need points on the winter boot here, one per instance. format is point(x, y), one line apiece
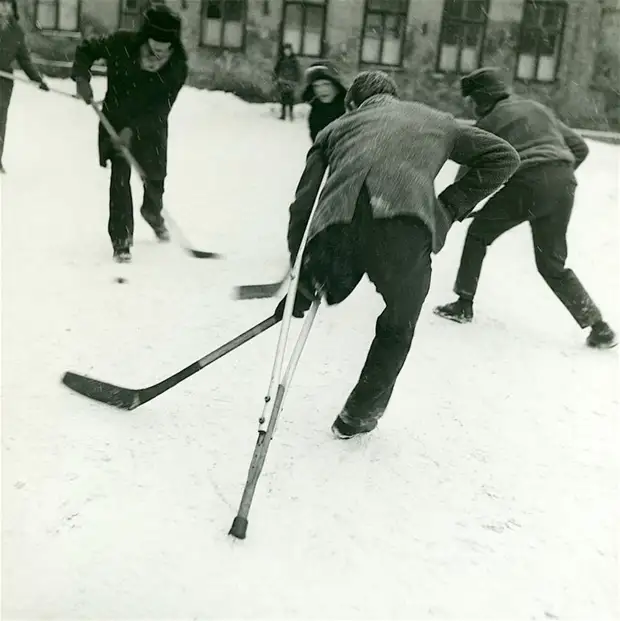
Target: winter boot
point(157, 224)
point(122, 253)
point(345, 431)
point(601, 336)
point(460, 311)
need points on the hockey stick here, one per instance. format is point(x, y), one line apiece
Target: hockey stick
point(131, 398)
point(255, 292)
point(199, 254)
point(278, 387)
point(17, 78)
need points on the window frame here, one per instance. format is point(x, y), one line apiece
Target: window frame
point(401, 59)
point(56, 28)
point(560, 33)
point(123, 12)
point(201, 32)
point(484, 24)
point(304, 4)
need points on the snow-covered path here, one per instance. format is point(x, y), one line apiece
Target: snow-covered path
point(489, 491)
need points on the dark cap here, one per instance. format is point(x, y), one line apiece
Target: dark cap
point(486, 82)
point(161, 24)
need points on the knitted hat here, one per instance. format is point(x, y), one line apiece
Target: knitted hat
point(486, 82)
point(321, 70)
point(161, 24)
point(369, 83)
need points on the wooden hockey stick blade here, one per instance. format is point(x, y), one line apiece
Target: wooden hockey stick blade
point(255, 292)
point(131, 398)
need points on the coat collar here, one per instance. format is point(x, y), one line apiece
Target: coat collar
point(377, 100)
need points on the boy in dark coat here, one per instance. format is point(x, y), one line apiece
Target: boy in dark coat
point(12, 48)
point(287, 74)
point(541, 192)
point(325, 93)
point(145, 71)
point(378, 215)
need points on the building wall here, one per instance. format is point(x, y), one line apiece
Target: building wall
point(249, 73)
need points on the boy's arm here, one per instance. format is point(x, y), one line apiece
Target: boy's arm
point(490, 161)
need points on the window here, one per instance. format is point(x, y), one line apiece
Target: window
point(60, 15)
point(303, 26)
point(540, 40)
point(222, 24)
point(130, 14)
point(463, 27)
point(383, 34)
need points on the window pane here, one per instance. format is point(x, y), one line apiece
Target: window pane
point(388, 6)
point(453, 8)
point(46, 14)
point(469, 59)
point(68, 15)
point(292, 26)
point(546, 68)
point(532, 14)
point(447, 57)
point(548, 44)
point(394, 30)
point(131, 6)
point(314, 30)
point(451, 34)
point(214, 9)
point(525, 67)
point(472, 36)
point(212, 29)
point(233, 10)
point(474, 10)
point(233, 34)
point(372, 38)
point(552, 17)
point(528, 42)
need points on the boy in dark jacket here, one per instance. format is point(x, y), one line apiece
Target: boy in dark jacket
point(145, 72)
point(378, 215)
point(12, 48)
point(541, 192)
point(325, 93)
point(287, 74)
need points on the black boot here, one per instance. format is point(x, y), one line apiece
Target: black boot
point(345, 431)
point(460, 311)
point(601, 336)
point(122, 253)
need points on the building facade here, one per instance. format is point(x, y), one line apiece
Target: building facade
point(549, 48)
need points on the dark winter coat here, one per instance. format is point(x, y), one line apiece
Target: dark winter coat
point(397, 148)
point(13, 48)
point(287, 72)
point(538, 136)
point(138, 99)
point(322, 114)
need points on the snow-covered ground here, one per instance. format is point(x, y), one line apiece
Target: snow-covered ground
point(489, 491)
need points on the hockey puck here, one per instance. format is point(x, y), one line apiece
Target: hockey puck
point(121, 280)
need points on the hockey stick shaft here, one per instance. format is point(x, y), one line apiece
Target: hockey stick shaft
point(129, 399)
point(18, 78)
point(136, 166)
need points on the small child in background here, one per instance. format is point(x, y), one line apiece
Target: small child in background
point(325, 93)
point(287, 75)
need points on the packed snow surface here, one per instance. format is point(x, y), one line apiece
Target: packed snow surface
point(489, 490)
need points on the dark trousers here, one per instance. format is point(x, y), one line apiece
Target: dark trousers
point(542, 196)
point(121, 222)
point(6, 90)
point(396, 255)
point(287, 101)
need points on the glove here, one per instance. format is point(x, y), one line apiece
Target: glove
point(303, 302)
point(84, 90)
point(43, 86)
point(124, 137)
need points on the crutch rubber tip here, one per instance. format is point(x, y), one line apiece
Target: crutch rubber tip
point(239, 527)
